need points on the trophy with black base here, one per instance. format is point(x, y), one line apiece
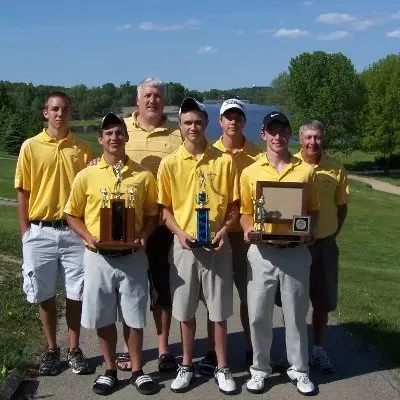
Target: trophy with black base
point(203, 236)
point(117, 219)
point(286, 212)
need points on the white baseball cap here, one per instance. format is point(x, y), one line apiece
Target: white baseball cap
point(232, 103)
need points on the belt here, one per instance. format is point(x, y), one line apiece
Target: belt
point(111, 253)
point(58, 223)
point(289, 245)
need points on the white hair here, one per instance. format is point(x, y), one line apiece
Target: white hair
point(152, 82)
point(312, 125)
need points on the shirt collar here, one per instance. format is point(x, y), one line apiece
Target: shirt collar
point(293, 160)
point(322, 159)
point(47, 138)
point(186, 155)
point(128, 165)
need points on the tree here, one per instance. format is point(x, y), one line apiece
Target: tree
point(280, 89)
point(5, 116)
point(326, 87)
point(382, 111)
point(16, 133)
point(175, 94)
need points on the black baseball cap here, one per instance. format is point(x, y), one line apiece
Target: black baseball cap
point(112, 119)
point(190, 104)
point(275, 116)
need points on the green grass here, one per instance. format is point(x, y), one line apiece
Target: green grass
point(369, 301)
point(20, 330)
point(7, 174)
point(10, 242)
point(91, 138)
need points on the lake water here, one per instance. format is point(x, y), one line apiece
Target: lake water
point(254, 116)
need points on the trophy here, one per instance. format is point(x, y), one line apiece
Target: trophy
point(117, 220)
point(286, 213)
point(203, 236)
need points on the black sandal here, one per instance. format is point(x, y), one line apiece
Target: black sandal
point(105, 384)
point(167, 363)
point(123, 358)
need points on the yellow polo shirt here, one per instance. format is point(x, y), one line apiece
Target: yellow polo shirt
point(246, 156)
point(46, 168)
point(179, 182)
point(296, 171)
point(333, 189)
point(86, 198)
point(149, 148)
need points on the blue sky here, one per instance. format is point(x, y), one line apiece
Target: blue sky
point(209, 44)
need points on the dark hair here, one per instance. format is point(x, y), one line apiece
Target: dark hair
point(61, 95)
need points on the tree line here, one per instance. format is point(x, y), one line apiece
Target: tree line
point(359, 110)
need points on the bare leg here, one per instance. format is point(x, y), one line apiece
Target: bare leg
point(135, 345)
point(73, 311)
point(220, 331)
point(319, 321)
point(48, 318)
point(188, 329)
point(210, 333)
point(108, 343)
point(162, 320)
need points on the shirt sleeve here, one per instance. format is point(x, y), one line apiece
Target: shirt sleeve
point(246, 201)
point(342, 191)
point(164, 185)
point(76, 203)
point(150, 206)
point(313, 194)
point(23, 169)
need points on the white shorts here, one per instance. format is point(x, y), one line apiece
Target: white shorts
point(48, 253)
point(113, 287)
point(201, 274)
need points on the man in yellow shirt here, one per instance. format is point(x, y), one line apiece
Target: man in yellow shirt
point(46, 167)
point(232, 121)
point(115, 279)
point(151, 137)
point(199, 272)
point(278, 261)
point(334, 195)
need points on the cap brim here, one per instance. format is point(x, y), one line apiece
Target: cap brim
point(112, 119)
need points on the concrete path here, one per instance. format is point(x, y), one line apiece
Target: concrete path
point(359, 374)
point(377, 184)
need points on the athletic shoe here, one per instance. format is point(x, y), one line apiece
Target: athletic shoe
point(223, 377)
point(78, 362)
point(208, 364)
point(302, 381)
point(50, 362)
point(255, 384)
point(183, 380)
point(321, 361)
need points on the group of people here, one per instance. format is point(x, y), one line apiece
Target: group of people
point(59, 185)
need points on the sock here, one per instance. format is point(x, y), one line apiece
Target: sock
point(111, 372)
point(138, 373)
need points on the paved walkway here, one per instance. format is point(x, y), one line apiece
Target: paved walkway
point(359, 374)
point(377, 184)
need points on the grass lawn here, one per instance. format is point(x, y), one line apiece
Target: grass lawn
point(369, 301)
point(10, 242)
point(7, 174)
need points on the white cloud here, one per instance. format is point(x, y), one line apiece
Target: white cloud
point(206, 50)
point(335, 18)
point(290, 33)
point(395, 15)
point(362, 25)
point(394, 34)
point(124, 27)
point(337, 35)
point(152, 26)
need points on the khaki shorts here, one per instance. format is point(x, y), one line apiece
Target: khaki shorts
point(48, 254)
point(201, 274)
point(324, 274)
point(115, 287)
point(239, 263)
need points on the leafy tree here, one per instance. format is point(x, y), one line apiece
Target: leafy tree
point(382, 111)
point(280, 89)
point(16, 133)
point(326, 87)
point(5, 116)
point(175, 94)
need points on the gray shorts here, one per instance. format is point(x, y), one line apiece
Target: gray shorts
point(239, 263)
point(324, 274)
point(201, 274)
point(49, 253)
point(113, 287)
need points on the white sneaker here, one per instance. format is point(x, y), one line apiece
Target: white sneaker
point(302, 381)
point(320, 360)
point(223, 377)
point(255, 384)
point(183, 380)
